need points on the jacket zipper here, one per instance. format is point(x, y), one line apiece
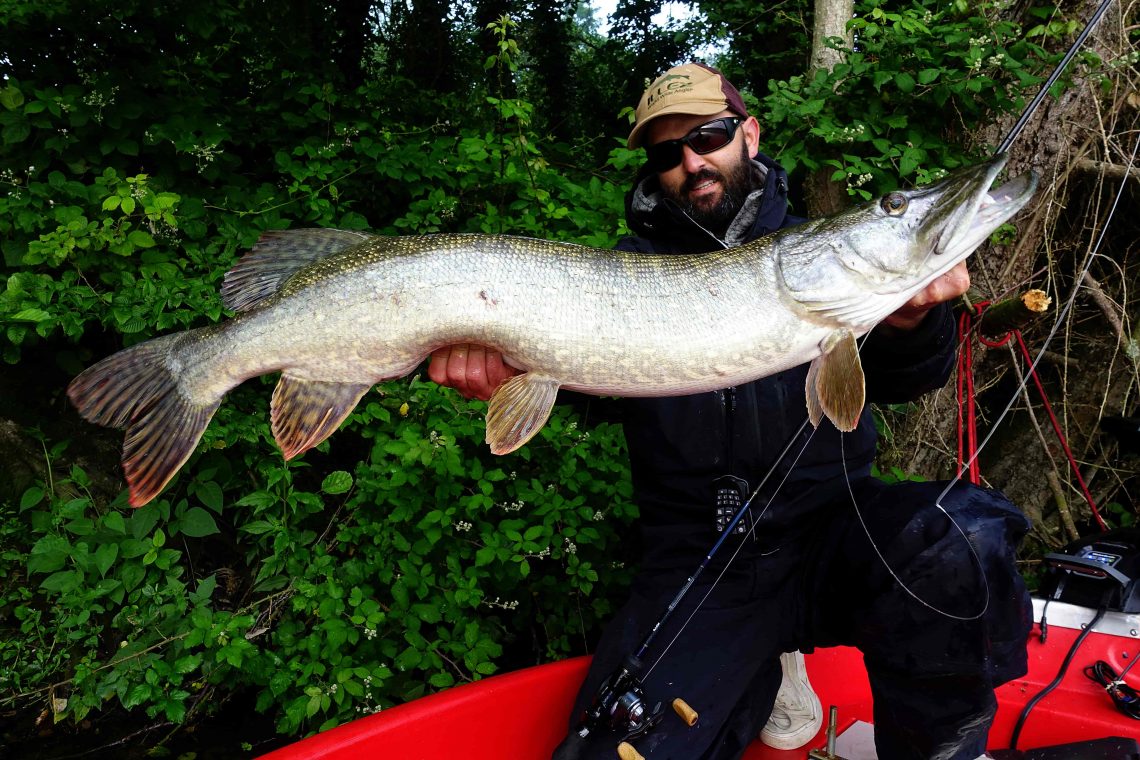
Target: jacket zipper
point(729, 429)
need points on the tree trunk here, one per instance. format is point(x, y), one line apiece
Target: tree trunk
point(830, 20)
point(825, 196)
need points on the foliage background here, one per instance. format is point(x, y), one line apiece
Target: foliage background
point(146, 147)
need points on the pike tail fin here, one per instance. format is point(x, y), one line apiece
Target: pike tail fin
point(137, 389)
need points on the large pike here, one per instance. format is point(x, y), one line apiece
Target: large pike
point(337, 311)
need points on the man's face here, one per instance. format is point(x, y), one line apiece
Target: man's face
point(709, 187)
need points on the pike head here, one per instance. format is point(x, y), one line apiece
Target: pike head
point(859, 266)
point(849, 271)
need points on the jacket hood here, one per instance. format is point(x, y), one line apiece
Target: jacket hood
point(650, 214)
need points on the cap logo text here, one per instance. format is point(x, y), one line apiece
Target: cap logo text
point(666, 86)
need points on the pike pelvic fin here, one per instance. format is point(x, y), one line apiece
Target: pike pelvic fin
point(305, 412)
point(835, 382)
point(276, 257)
point(518, 409)
point(137, 389)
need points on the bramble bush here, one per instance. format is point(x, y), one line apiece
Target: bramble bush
point(398, 557)
point(917, 75)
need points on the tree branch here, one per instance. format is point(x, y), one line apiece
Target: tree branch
point(1062, 505)
point(1013, 313)
point(1107, 170)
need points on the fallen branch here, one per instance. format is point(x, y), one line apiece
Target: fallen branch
point(1062, 504)
point(1013, 313)
point(1108, 170)
point(1101, 299)
point(1109, 309)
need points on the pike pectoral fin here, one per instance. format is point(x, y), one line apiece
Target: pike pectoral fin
point(518, 409)
point(835, 385)
point(305, 412)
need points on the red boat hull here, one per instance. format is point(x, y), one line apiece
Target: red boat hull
point(523, 715)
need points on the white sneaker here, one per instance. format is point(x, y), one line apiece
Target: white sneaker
point(797, 714)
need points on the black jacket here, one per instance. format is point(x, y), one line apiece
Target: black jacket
point(679, 446)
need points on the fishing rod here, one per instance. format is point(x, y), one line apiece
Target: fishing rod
point(1057, 71)
point(620, 704)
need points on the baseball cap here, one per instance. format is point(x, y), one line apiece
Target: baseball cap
point(692, 89)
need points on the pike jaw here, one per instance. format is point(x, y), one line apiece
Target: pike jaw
point(879, 254)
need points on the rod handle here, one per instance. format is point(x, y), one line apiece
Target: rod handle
point(626, 751)
point(688, 714)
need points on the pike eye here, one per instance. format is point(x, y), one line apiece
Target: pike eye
point(894, 204)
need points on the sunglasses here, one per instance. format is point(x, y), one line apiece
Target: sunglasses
point(706, 138)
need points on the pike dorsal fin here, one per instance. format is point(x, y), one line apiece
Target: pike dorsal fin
point(276, 257)
point(305, 412)
point(518, 409)
point(835, 384)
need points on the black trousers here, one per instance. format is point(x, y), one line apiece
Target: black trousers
point(936, 606)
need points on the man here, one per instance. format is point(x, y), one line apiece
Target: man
point(838, 557)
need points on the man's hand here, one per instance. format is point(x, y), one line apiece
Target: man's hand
point(950, 285)
point(474, 371)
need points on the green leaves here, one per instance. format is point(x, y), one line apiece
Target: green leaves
point(399, 557)
point(917, 76)
point(337, 483)
point(49, 554)
point(197, 522)
point(11, 98)
point(105, 557)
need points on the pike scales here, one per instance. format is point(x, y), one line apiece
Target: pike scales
point(336, 311)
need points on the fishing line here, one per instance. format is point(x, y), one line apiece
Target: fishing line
point(882, 559)
point(887, 565)
point(1053, 332)
point(1002, 148)
point(993, 429)
point(997, 423)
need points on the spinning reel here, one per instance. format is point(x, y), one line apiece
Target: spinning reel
point(619, 705)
